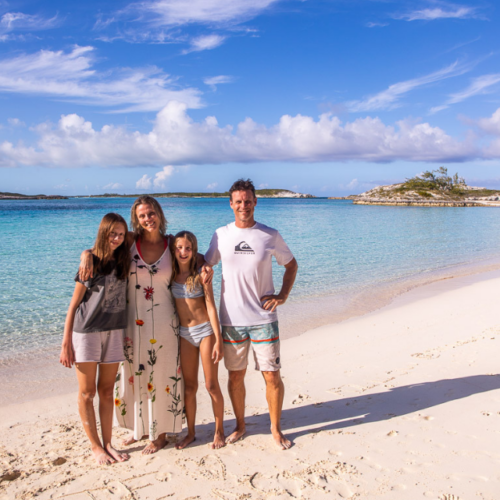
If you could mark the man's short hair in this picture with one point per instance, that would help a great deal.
(242, 185)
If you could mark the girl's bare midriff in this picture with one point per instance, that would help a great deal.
(192, 312)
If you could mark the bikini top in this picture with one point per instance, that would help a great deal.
(180, 291)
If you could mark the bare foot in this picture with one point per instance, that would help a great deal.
(237, 434)
(117, 455)
(129, 440)
(281, 440)
(185, 442)
(219, 441)
(101, 457)
(156, 445)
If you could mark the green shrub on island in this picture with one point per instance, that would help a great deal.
(435, 181)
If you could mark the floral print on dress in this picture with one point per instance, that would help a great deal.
(150, 389)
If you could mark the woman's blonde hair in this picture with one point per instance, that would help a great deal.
(193, 280)
(134, 220)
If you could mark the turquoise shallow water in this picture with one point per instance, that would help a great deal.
(343, 250)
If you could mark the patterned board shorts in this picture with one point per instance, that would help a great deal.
(265, 340)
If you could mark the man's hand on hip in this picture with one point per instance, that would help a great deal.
(271, 302)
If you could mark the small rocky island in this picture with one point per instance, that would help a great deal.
(431, 189)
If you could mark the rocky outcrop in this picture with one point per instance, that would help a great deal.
(395, 195)
(414, 203)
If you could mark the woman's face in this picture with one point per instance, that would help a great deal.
(148, 218)
(183, 251)
(117, 235)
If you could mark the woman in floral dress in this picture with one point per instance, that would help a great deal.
(149, 392)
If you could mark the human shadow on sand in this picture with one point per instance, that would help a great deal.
(374, 407)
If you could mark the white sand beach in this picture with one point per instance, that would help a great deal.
(402, 403)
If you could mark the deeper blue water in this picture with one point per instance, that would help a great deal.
(341, 249)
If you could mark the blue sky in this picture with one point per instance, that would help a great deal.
(325, 97)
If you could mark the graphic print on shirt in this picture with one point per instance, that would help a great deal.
(243, 248)
(115, 294)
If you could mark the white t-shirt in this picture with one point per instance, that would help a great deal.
(246, 256)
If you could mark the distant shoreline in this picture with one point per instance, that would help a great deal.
(261, 193)
(5, 196)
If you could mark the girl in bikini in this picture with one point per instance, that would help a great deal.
(199, 332)
(94, 330)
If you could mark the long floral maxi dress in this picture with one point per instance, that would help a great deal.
(149, 397)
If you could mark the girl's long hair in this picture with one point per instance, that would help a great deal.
(102, 252)
(134, 220)
(193, 280)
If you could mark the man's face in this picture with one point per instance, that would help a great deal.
(243, 205)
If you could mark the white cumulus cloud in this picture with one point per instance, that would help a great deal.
(144, 182)
(16, 122)
(490, 125)
(70, 75)
(176, 139)
(212, 185)
(162, 176)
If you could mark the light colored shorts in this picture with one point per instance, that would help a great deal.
(265, 340)
(99, 347)
(195, 334)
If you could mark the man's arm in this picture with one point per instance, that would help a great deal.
(273, 301)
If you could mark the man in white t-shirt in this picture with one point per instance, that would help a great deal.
(248, 303)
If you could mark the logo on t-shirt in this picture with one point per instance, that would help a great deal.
(243, 248)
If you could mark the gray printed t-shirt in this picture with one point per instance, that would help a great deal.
(104, 306)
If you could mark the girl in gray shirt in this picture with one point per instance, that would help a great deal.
(94, 330)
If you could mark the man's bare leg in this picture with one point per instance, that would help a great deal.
(237, 393)
(105, 386)
(86, 374)
(275, 392)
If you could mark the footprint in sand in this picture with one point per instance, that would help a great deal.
(209, 467)
(10, 476)
(229, 495)
(300, 398)
(393, 433)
